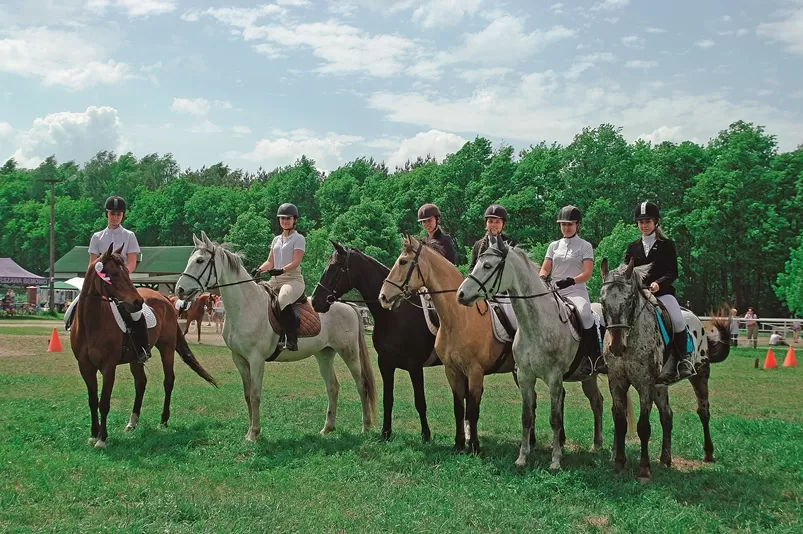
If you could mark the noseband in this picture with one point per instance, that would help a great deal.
(405, 286)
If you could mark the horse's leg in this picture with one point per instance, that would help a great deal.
(594, 395)
(199, 323)
(417, 378)
(388, 372)
(527, 388)
(256, 363)
(326, 360)
(245, 373)
(168, 358)
(108, 373)
(351, 356)
(562, 426)
(90, 376)
(619, 402)
(665, 412)
(700, 384)
(140, 382)
(557, 394)
(473, 398)
(457, 381)
(646, 393)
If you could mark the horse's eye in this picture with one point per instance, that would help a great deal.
(199, 260)
(402, 262)
(486, 265)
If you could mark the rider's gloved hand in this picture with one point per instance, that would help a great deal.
(566, 282)
(276, 272)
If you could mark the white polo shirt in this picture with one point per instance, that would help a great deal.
(119, 237)
(567, 257)
(283, 248)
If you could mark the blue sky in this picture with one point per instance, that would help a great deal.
(258, 84)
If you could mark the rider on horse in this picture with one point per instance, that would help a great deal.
(115, 234)
(495, 222)
(284, 266)
(429, 215)
(656, 249)
(571, 261)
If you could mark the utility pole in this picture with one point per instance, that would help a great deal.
(52, 282)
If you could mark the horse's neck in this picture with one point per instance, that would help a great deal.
(242, 300)
(443, 276)
(532, 314)
(368, 280)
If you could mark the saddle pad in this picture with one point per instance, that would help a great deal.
(568, 313)
(430, 315)
(309, 322)
(147, 312)
(500, 332)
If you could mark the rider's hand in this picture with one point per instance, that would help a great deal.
(566, 282)
(276, 272)
(256, 272)
(654, 287)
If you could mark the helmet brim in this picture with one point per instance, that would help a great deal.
(567, 221)
(494, 217)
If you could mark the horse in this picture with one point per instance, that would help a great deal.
(99, 344)
(634, 351)
(252, 340)
(401, 336)
(465, 342)
(195, 313)
(543, 346)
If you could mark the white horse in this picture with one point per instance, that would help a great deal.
(251, 339)
(543, 347)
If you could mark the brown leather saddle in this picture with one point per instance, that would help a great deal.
(308, 320)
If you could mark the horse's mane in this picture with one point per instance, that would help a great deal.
(369, 257)
(531, 265)
(433, 244)
(234, 260)
(639, 273)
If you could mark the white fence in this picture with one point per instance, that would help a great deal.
(766, 324)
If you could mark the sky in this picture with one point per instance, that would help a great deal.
(258, 84)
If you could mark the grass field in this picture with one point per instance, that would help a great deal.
(200, 475)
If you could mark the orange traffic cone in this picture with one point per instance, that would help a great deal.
(790, 360)
(769, 362)
(55, 342)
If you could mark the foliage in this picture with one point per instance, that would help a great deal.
(733, 206)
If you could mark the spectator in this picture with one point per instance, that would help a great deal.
(734, 328)
(777, 339)
(795, 329)
(750, 319)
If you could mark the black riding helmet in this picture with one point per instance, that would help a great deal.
(115, 203)
(646, 210)
(287, 210)
(570, 214)
(427, 211)
(495, 211)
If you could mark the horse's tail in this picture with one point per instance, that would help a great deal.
(719, 340)
(366, 370)
(186, 354)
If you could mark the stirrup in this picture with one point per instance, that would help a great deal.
(688, 369)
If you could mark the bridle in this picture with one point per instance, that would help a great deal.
(625, 326)
(405, 286)
(212, 267)
(333, 294)
(493, 294)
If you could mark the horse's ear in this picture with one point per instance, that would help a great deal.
(198, 242)
(603, 267)
(108, 252)
(629, 270)
(207, 241)
(338, 247)
(119, 250)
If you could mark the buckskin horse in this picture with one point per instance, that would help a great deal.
(99, 344)
(401, 337)
(249, 334)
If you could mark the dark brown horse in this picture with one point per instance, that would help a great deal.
(100, 345)
(200, 307)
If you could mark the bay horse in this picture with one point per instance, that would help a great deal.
(634, 352)
(252, 340)
(99, 344)
(465, 342)
(401, 337)
(201, 305)
(543, 346)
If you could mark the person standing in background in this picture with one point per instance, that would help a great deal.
(750, 319)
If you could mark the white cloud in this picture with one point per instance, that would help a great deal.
(239, 17)
(707, 43)
(61, 58)
(633, 41)
(205, 127)
(484, 74)
(560, 108)
(612, 20)
(607, 5)
(600, 57)
(440, 13)
(192, 106)
(788, 30)
(269, 50)
(327, 150)
(577, 69)
(240, 131)
(293, 3)
(641, 64)
(742, 32)
(504, 40)
(557, 8)
(726, 18)
(654, 30)
(143, 8)
(664, 133)
(70, 136)
(435, 143)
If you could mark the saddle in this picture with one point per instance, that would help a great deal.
(307, 319)
(567, 312)
(147, 313)
(665, 324)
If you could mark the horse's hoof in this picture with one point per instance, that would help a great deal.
(618, 468)
(667, 462)
(474, 448)
(458, 448)
(327, 429)
(385, 435)
(91, 441)
(100, 444)
(426, 437)
(644, 479)
(709, 459)
(554, 466)
(162, 425)
(129, 428)
(521, 461)
(252, 437)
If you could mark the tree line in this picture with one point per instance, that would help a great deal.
(733, 206)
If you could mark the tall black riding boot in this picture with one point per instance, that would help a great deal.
(141, 342)
(290, 327)
(679, 365)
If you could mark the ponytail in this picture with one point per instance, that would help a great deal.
(659, 233)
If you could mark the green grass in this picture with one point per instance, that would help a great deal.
(201, 476)
(33, 317)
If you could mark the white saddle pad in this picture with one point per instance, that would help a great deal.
(147, 312)
(428, 305)
(500, 333)
(564, 311)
